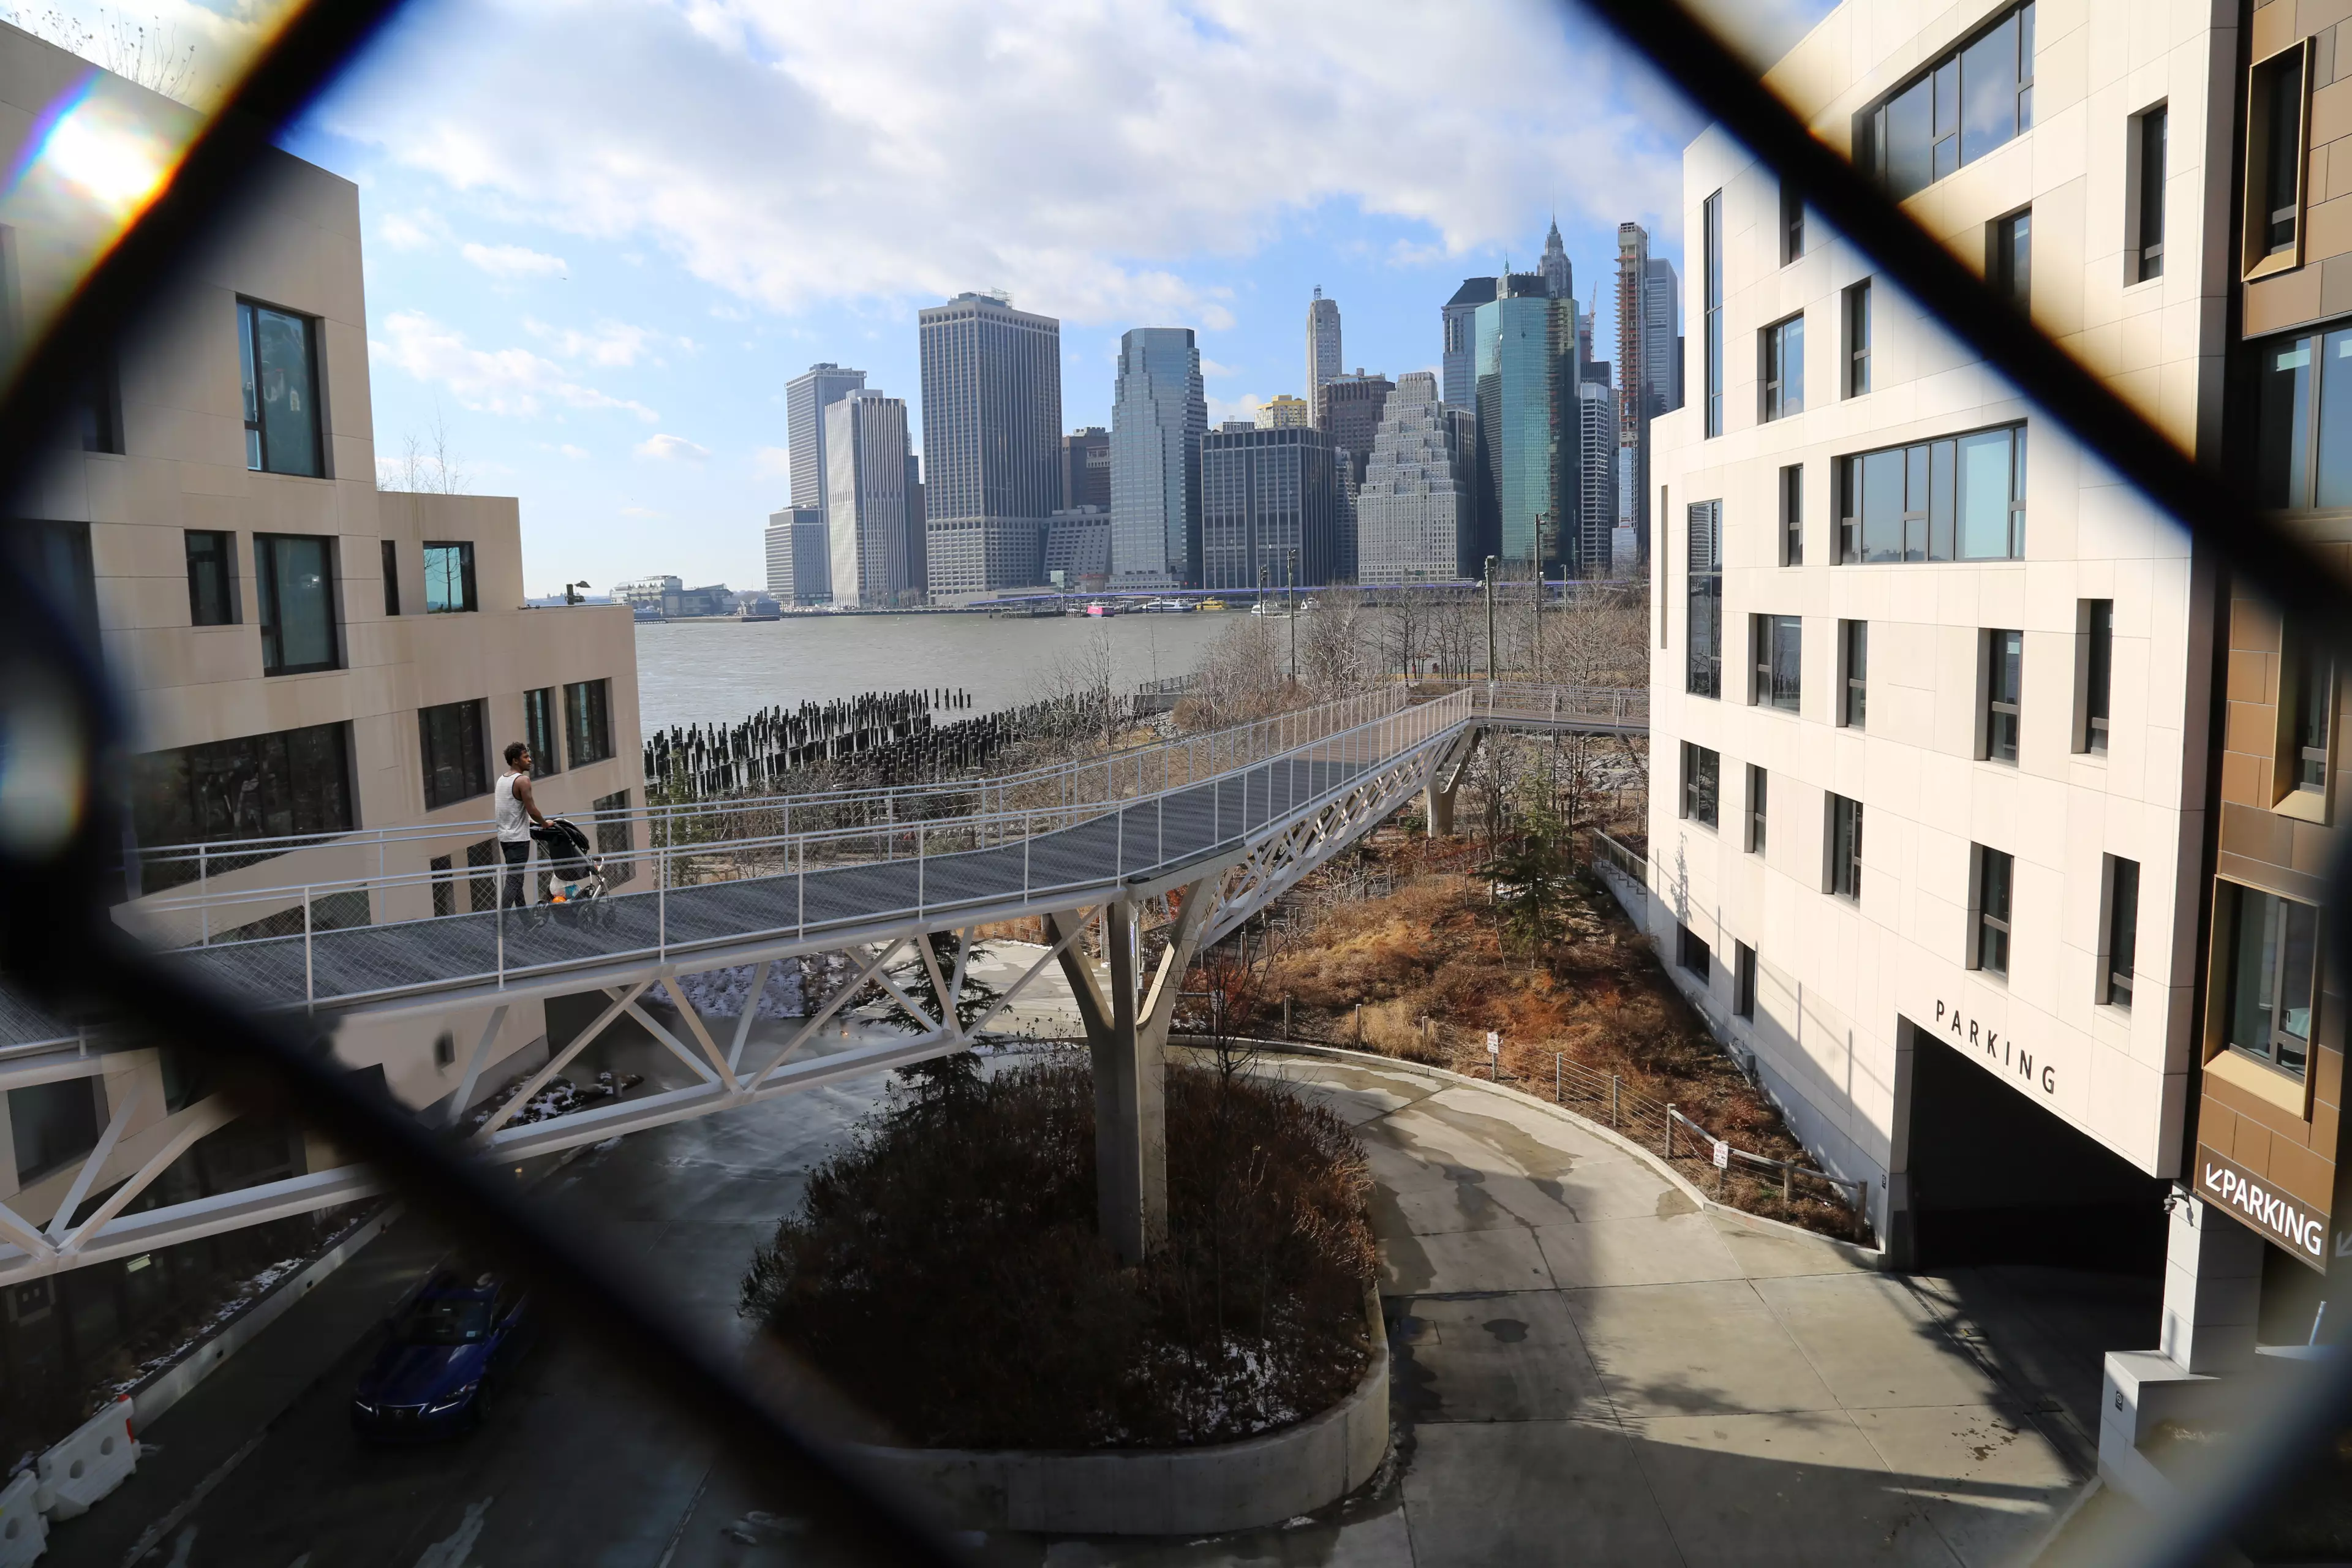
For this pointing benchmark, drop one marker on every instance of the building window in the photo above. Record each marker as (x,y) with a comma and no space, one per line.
(279,356)
(212,577)
(1704,676)
(539,731)
(613,841)
(1959,498)
(1854,692)
(449,740)
(2098,673)
(1711,234)
(1780,660)
(2274,969)
(1756,809)
(1743,981)
(1782,382)
(2303,435)
(1792,224)
(293,576)
(1792,515)
(98,408)
(1702,771)
(588,721)
(2119,946)
(2307,703)
(54,1125)
(2010,265)
(1993,872)
(449,579)
(1846,846)
(1692,952)
(287,784)
(1962,106)
(2277,105)
(1857,339)
(391,577)
(2004,681)
(2146,218)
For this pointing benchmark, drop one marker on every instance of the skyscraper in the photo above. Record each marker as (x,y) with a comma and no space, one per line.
(1649,367)
(1596,485)
(1086,468)
(1559,276)
(1347,408)
(806,398)
(800,557)
(1527,427)
(1662,360)
(1323,359)
(1270,508)
(1159,414)
(1459,382)
(992,441)
(867,468)
(1282,410)
(1416,520)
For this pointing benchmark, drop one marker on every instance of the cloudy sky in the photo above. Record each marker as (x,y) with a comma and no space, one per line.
(602,233)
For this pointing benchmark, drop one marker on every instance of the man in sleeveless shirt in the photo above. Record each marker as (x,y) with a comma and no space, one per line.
(516,812)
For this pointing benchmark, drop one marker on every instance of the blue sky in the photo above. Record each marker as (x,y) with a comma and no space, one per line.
(602,233)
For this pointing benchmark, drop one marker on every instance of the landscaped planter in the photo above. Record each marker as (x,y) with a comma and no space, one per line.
(1258,1481)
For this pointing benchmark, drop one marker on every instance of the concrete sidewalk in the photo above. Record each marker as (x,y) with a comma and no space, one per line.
(1593,1367)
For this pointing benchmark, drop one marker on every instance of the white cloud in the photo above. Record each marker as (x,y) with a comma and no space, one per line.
(669,448)
(938,145)
(511,260)
(1211,369)
(577,453)
(501,380)
(772,463)
(411,231)
(1246,406)
(608,343)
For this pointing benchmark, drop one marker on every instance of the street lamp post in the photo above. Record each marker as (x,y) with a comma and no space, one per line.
(1490,626)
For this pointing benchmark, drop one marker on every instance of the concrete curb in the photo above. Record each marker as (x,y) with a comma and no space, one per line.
(1252,1484)
(172,1384)
(1862,1257)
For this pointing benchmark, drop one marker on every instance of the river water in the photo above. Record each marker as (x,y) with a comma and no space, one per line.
(691,672)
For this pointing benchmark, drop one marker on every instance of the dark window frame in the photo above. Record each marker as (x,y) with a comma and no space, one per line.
(469,601)
(2150,156)
(212,576)
(1778,648)
(1743,981)
(1929,522)
(469,765)
(1758,808)
(1792,224)
(1693,955)
(2119,933)
(269,604)
(390,552)
(2098,675)
(1844,846)
(1711,307)
(2275,968)
(1943,86)
(2004,700)
(280,783)
(1992,896)
(1853,674)
(2008,258)
(1703,591)
(1855,313)
(1792,514)
(258,458)
(1702,785)
(1780,369)
(588,725)
(542,730)
(2308,696)
(2278,160)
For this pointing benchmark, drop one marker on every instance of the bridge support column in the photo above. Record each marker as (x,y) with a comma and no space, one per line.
(1445,776)
(1126,1036)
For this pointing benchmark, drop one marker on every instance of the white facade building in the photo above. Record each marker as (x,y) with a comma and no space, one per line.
(866,504)
(1415,514)
(1883,850)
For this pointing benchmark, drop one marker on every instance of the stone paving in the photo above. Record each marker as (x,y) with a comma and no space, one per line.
(1593,1367)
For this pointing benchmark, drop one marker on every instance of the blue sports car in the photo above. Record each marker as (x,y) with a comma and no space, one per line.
(444,1357)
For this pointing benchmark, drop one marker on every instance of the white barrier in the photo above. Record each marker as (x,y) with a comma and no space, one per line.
(24,1534)
(89,1464)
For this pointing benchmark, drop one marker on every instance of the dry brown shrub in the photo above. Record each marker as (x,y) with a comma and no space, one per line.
(947,1270)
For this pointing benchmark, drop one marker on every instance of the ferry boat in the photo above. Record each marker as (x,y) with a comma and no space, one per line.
(1210,604)
(1166,607)
(1101,607)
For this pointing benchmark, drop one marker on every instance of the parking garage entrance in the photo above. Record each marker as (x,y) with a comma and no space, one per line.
(1984,1175)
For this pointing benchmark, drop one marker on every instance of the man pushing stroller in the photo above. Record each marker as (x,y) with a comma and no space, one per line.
(520,823)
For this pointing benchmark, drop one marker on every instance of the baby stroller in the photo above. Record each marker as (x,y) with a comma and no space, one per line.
(575,876)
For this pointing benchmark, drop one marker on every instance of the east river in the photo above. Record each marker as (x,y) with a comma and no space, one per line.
(704,673)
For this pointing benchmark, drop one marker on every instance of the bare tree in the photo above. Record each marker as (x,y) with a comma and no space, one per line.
(1334,651)
(427,464)
(1245,675)
(148,52)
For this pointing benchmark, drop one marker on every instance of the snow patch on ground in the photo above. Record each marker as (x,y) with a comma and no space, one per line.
(721,992)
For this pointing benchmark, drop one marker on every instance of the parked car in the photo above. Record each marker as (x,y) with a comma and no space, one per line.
(444,1357)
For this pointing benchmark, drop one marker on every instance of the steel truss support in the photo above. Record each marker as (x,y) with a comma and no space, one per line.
(1445,776)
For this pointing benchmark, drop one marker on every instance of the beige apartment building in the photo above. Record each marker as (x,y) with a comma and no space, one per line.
(321,677)
(1978,791)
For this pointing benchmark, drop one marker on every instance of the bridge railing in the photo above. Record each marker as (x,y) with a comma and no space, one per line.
(1100,779)
(921,869)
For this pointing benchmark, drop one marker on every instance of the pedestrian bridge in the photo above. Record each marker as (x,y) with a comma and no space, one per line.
(1195,835)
